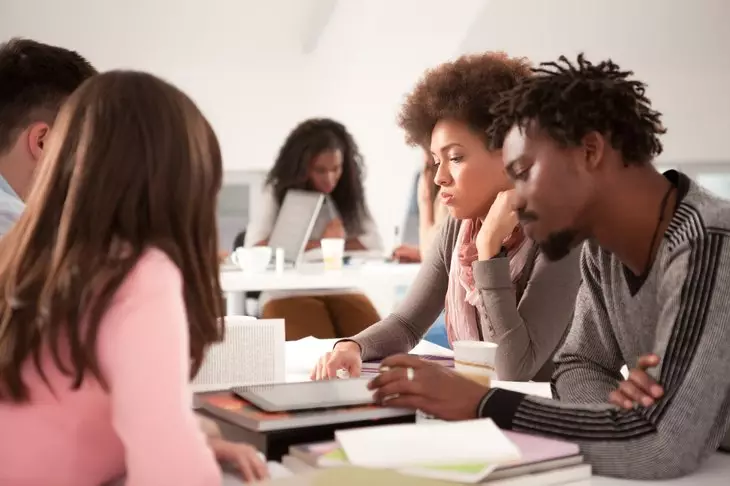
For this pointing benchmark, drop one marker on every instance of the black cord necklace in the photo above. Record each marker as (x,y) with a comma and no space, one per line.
(662,210)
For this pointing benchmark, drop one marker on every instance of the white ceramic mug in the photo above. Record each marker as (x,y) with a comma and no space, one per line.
(255,259)
(476,360)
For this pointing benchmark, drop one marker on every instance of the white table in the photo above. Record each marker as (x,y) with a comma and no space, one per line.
(365,276)
(302,355)
(714,472)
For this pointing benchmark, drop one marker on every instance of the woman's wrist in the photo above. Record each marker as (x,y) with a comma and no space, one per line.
(209,427)
(488,247)
(425,211)
(348,345)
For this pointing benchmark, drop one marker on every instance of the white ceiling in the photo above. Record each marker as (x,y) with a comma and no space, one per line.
(259,66)
(173,31)
(646,34)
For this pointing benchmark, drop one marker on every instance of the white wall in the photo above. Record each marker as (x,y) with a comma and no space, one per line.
(373,51)
(258,67)
(241,61)
(370,55)
(678,47)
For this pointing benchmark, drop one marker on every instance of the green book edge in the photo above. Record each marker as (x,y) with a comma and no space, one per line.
(339,455)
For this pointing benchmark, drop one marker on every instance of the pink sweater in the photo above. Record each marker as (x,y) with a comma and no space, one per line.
(145,425)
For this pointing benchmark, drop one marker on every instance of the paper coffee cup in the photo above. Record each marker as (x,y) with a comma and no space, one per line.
(333,252)
(476,360)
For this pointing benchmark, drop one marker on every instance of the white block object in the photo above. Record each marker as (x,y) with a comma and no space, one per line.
(252,352)
(412,445)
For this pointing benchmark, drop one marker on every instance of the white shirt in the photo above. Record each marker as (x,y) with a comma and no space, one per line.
(11,207)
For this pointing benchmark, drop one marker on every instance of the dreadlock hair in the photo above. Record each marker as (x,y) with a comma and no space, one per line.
(570,100)
(304,143)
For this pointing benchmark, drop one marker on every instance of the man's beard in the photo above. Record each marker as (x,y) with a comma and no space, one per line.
(557,245)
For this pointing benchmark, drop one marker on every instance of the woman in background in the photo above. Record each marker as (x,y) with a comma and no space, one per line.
(492,281)
(320,155)
(431,213)
(110,294)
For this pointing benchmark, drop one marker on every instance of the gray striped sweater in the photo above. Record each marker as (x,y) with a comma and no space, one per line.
(682,313)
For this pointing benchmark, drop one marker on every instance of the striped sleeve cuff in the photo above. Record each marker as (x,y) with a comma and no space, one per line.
(501,406)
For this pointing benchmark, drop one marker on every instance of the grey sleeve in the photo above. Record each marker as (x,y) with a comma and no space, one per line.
(402,329)
(527,332)
(588,365)
(674,436)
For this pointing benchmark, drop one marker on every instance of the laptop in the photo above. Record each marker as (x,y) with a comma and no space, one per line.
(295,224)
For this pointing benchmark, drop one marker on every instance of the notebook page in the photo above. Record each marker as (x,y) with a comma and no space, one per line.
(252,352)
(413,445)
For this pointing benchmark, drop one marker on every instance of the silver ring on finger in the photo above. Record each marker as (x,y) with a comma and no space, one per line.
(410,374)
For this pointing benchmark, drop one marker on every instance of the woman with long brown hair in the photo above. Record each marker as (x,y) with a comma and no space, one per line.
(109,293)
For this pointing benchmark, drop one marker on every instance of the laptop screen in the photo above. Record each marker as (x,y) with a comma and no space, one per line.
(295,223)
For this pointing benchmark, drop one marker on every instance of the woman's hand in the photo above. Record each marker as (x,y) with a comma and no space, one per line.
(497,226)
(243,456)
(345,356)
(426,190)
(407,254)
(640,388)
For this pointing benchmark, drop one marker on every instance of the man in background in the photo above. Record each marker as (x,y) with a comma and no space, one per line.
(35,79)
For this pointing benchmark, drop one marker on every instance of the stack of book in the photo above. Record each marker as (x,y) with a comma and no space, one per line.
(508,457)
(232,408)
(372,368)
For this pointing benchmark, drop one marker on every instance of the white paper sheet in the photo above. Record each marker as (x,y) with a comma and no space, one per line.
(413,445)
(302,355)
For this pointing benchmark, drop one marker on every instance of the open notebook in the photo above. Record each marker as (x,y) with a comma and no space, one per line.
(251,353)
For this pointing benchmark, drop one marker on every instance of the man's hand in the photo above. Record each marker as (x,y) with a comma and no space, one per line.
(429,387)
(243,456)
(639,388)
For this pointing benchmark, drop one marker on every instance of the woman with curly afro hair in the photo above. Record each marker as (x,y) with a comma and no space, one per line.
(492,282)
(320,155)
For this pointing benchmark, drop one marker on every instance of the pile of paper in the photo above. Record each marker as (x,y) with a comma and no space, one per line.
(458,451)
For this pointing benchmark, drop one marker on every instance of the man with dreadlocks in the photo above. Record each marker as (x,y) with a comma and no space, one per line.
(656,276)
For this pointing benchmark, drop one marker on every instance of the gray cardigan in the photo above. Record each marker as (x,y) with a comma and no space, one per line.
(528,332)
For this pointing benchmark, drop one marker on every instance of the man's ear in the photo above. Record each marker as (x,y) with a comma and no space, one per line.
(594,145)
(38,139)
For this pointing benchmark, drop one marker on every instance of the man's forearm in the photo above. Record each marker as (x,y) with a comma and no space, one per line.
(579,381)
(620,443)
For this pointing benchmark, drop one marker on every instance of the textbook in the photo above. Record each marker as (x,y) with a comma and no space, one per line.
(372,368)
(230,407)
(542,459)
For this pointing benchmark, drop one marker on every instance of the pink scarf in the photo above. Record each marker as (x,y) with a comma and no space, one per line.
(462,298)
